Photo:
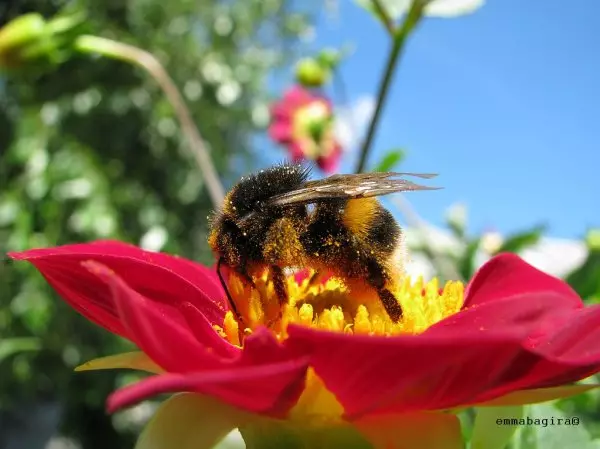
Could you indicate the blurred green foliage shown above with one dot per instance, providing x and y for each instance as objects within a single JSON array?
[
  {"x": 90, "y": 149},
  {"x": 390, "y": 160}
]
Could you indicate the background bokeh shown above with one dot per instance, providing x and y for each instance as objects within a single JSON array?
[{"x": 91, "y": 149}]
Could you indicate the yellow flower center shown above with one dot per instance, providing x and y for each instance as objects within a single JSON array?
[
  {"x": 313, "y": 129},
  {"x": 333, "y": 306}
]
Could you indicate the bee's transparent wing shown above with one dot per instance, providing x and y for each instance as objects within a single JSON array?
[{"x": 360, "y": 185}]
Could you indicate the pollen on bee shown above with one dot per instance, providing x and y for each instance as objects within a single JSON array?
[{"x": 333, "y": 306}]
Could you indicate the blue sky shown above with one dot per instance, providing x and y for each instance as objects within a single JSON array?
[{"x": 503, "y": 103}]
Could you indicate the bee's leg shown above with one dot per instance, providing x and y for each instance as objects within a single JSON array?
[
  {"x": 243, "y": 273},
  {"x": 278, "y": 279},
  {"x": 232, "y": 305},
  {"x": 376, "y": 278},
  {"x": 313, "y": 279}
]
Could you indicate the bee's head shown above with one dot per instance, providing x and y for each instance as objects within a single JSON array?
[
  {"x": 225, "y": 236},
  {"x": 245, "y": 213},
  {"x": 234, "y": 228}
]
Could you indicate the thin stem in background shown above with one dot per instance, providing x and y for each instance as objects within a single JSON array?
[
  {"x": 400, "y": 36},
  {"x": 146, "y": 60},
  {"x": 385, "y": 17},
  {"x": 411, "y": 19}
]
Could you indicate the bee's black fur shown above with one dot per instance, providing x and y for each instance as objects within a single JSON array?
[
  {"x": 355, "y": 257},
  {"x": 384, "y": 231},
  {"x": 251, "y": 192}
]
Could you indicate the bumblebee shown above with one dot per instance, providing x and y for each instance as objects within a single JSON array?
[{"x": 278, "y": 218}]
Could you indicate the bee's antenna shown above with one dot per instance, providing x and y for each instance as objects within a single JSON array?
[{"x": 232, "y": 305}]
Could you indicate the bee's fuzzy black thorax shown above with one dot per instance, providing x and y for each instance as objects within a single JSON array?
[{"x": 248, "y": 194}]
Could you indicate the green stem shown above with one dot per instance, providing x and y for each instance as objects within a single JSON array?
[
  {"x": 147, "y": 61},
  {"x": 411, "y": 20},
  {"x": 385, "y": 17}
]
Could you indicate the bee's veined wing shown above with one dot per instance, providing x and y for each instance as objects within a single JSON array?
[{"x": 360, "y": 185}]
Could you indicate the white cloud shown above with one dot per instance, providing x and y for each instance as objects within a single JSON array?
[{"x": 352, "y": 121}]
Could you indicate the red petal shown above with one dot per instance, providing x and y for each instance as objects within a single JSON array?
[
  {"x": 204, "y": 331},
  {"x": 267, "y": 377},
  {"x": 281, "y": 131},
  {"x": 296, "y": 150},
  {"x": 408, "y": 373},
  {"x": 304, "y": 273},
  {"x": 157, "y": 329},
  {"x": 329, "y": 164},
  {"x": 158, "y": 276},
  {"x": 294, "y": 98},
  {"x": 507, "y": 275},
  {"x": 259, "y": 389},
  {"x": 175, "y": 348},
  {"x": 82, "y": 291},
  {"x": 563, "y": 352},
  {"x": 301, "y": 275},
  {"x": 281, "y": 113},
  {"x": 508, "y": 292},
  {"x": 530, "y": 310},
  {"x": 574, "y": 340},
  {"x": 297, "y": 96}
]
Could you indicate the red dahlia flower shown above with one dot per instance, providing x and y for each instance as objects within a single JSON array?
[
  {"x": 333, "y": 359},
  {"x": 303, "y": 122}
]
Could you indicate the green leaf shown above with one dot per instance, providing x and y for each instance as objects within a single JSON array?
[
  {"x": 11, "y": 346},
  {"x": 466, "y": 265},
  {"x": 188, "y": 421},
  {"x": 488, "y": 431},
  {"x": 390, "y": 160},
  {"x": 547, "y": 427},
  {"x": 394, "y": 8},
  {"x": 585, "y": 279},
  {"x": 518, "y": 242}
]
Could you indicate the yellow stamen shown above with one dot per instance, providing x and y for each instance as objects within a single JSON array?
[
  {"x": 334, "y": 306},
  {"x": 316, "y": 113}
]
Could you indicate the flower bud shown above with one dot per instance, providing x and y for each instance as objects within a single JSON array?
[
  {"x": 310, "y": 73},
  {"x": 30, "y": 39},
  {"x": 17, "y": 34},
  {"x": 592, "y": 239},
  {"x": 329, "y": 58}
]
